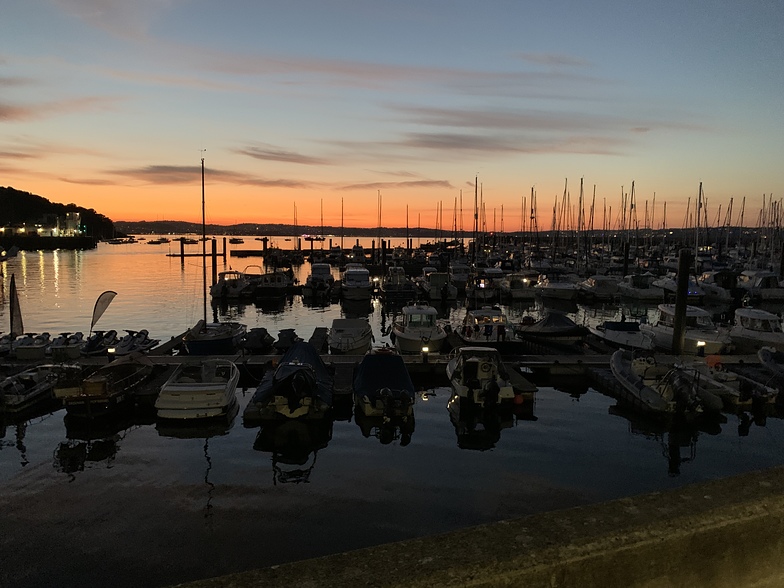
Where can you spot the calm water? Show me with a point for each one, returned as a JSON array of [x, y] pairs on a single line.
[[166, 506]]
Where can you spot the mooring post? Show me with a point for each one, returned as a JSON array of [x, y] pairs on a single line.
[[383, 257], [224, 252], [681, 296], [215, 259], [182, 248], [626, 259]]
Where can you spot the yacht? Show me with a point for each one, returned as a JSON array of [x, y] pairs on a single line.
[[356, 283], [598, 288], [418, 329], [640, 287], [701, 336], [760, 285], [396, 285], [549, 286], [519, 286], [754, 329]]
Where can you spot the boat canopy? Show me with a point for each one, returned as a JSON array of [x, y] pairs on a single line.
[[377, 371]]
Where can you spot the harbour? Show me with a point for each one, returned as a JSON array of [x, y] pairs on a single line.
[[177, 503]]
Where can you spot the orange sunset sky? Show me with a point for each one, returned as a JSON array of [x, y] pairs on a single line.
[[108, 104]]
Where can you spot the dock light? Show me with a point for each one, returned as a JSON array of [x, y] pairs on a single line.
[[110, 352], [425, 351], [701, 348]]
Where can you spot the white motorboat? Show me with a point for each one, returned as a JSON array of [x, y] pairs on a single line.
[[199, 390], [701, 336], [356, 284], [760, 285], [417, 329], [350, 336], [439, 287], [519, 286], [319, 281], [231, 284], [754, 329], [598, 288], [396, 285], [718, 285], [478, 375], [640, 287], [669, 284], [549, 286], [624, 334]]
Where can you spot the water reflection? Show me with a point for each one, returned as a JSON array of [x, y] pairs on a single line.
[[479, 428], [387, 430], [21, 420], [294, 445]]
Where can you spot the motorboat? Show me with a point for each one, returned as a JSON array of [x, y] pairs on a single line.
[[772, 360], [108, 389], [598, 288], [478, 375], [554, 328], [31, 346], [488, 326], [760, 285], [257, 341], [754, 329], [734, 390], [28, 387], [624, 334], [272, 285], [418, 328], [383, 387], [199, 390], [459, 274], [214, 338], [319, 281], [439, 287], [231, 285], [133, 341], [653, 388], [350, 336], [640, 287], [300, 386], [701, 336], [551, 286], [395, 285], [518, 286], [67, 346], [669, 284], [480, 289], [718, 285], [356, 284]]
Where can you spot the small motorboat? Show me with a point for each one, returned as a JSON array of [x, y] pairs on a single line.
[[418, 329], [383, 387], [701, 336], [350, 336], [754, 329], [624, 334], [258, 341], [67, 346], [478, 375], [28, 387], [214, 338], [299, 387], [200, 390], [553, 329], [108, 389], [733, 389]]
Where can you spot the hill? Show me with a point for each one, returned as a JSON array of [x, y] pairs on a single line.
[[17, 207]]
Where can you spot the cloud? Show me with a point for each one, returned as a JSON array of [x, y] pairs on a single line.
[[271, 153], [119, 17], [553, 59], [413, 184], [182, 174], [12, 81], [11, 112]]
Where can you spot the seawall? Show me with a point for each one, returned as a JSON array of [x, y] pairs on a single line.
[[720, 533]]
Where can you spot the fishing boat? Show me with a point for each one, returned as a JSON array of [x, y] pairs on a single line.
[[200, 390], [437, 286], [382, 387], [754, 329], [418, 328], [350, 336], [480, 289], [299, 387], [555, 286], [624, 334], [701, 336], [478, 375], [272, 285], [459, 274], [109, 389], [489, 326]]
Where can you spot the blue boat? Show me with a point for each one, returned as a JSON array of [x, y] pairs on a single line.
[[300, 387]]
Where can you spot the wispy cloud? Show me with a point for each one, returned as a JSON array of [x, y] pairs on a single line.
[[272, 153], [15, 81], [413, 184], [553, 59], [119, 17], [182, 174], [13, 112]]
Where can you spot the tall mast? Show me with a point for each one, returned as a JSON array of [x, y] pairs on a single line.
[[203, 243]]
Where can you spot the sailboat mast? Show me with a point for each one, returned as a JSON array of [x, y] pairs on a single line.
[[203, 245]]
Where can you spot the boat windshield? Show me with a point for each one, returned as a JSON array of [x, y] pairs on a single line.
[[421, 320], [762, 325], [700, 322]]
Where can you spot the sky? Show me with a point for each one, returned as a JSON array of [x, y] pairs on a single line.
[[351, 110]]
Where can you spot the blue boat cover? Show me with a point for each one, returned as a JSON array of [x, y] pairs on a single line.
[[383, 370], [301, 371]]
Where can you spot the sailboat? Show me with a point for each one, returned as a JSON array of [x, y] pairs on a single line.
[[17, 328], [211, 338]]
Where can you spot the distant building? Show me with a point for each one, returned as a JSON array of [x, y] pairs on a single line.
[[49, 225]]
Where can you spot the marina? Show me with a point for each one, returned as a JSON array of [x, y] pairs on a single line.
[[173, 501]]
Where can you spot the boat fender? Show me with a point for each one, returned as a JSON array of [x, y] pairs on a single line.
[[425, 339], [650, 360], [485, 367]]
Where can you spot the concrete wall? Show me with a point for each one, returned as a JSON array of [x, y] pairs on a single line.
[[722, 533]]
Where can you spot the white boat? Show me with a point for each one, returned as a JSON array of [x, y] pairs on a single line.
[[760, 285], [231, 284], [396, 285], [439, 287], [701, 337], [640, 287], [598, 288], [669, 284], [272, 285], [624, 334], [199, 390], [734, 390], [350, 336], [319, 281], [549, 286], [30, 386], [418, 328], [31, 346], [754, 329], [479, 376], [518, 286], [718, 285], [214, 338], [480, 289], [459, 274], [356, 284]]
